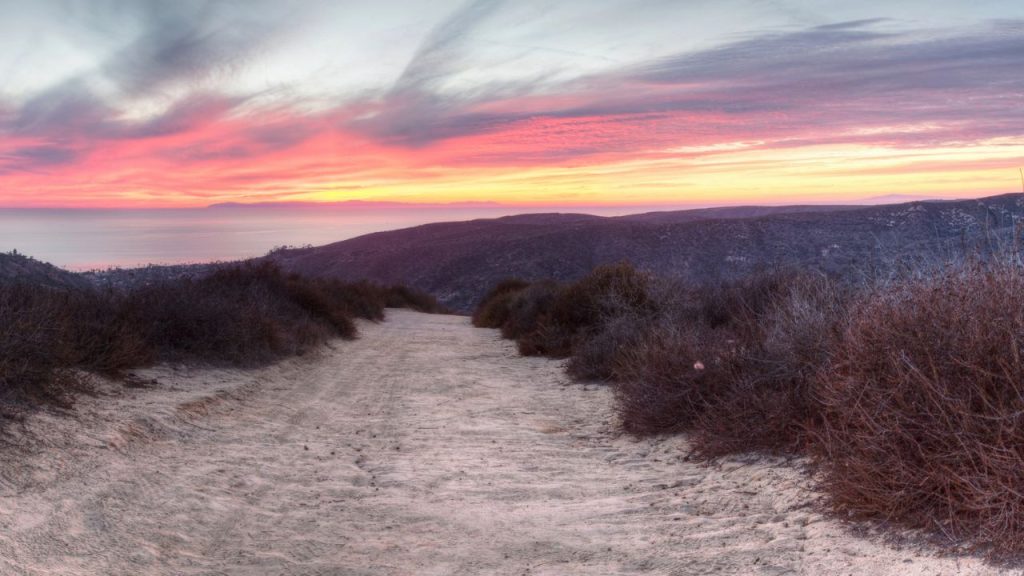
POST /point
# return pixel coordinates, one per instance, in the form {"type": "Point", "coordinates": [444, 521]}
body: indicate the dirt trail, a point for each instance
{"type": "Point", "coordinates": [425, 447]}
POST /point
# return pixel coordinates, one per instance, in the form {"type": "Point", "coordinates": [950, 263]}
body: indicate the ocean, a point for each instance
{"type": "Point", "coordinates": [97, 239]}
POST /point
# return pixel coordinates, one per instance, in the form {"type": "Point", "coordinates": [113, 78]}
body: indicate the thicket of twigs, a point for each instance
{"type": "Point", "coordinates": [908, 393]}
{"type": "Point", "coordinates": [922, 407]}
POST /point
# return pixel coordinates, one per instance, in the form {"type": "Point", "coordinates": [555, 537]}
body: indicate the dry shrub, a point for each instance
{"type": "Point", "coordinates": [529, 322]}
{"type": "Point", "coordinates": [667, 379]}
{"type": "Point", "coordinates": [759, 343]}
{"type": "Point", "coordinates": [549, 319]}
{"type": "Point", "coordinates": [522, 311]}
{"type": "Point", "coordinates": [399, 296]}
{"type": "Point", "coordinates": [97, 335]}
{"type": "Point", "coordinates": [620, 305]}
{"type": "Point", "coordinates": [561, 319]}
{"type": "Point", "coordinates": [739, 303]}
{"type": "Point", "coordinates": [47, 333]}
{"type": "Point", "coordinates": [548, 339]}
{"type": "Point", "coordinates": [923, 407]}
{"type": "Point", "coordinates": [358, 299]}
{"type": "Point", "coordinates": [608, 290]}
{"type": "Point", "coordinates": [733, 362]}
{"type": "Point", "coordinates": [779, 343]}
{"type": "Point", "coordinates": [910, 395]}
{"type": "Point", "coordinates": [30, 346]}
{"type": "Point", "coordinates": [246, 315]}
{"type": "Point", "coordinates": [493, 310]}
{"type": "Point", "coordinates": [598, 352]}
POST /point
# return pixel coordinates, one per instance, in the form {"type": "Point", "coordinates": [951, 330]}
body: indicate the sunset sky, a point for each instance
{"type": "Point", "coordinates": [110, 103]}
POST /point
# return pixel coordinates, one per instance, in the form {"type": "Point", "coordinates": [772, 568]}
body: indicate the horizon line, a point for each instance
{"type": "Point", "coordinates": [484, 204]}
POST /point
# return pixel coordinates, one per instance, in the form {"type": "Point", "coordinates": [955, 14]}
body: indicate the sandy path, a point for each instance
{"type": "Point", "coordinates": [426, 447]}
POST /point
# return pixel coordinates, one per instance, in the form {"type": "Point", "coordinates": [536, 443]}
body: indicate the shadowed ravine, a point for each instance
{"type": "Point", "coordinates": [424, 447]}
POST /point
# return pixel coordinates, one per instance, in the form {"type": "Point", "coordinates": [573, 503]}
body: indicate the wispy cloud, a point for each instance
{"type": "Point", "coordinates": [184, 42]}
{"type": "Point", "coordinates": [416, 110]}
{"type": "Point", "coordinates": [805, 84]}
{"type": "Point", "coordinates": [439, 54]}
{"type": "Point", "coordinates": [858, 83]}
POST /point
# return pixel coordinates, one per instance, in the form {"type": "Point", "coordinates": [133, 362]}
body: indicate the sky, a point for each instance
{"type": "Point", "coordinates": [152, 103]}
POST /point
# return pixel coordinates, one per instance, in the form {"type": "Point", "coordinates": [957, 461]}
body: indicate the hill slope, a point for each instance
{"type": "Point", "coordinates": [458, 261]}
{"type": "Point", "coordinates": [15, 267]}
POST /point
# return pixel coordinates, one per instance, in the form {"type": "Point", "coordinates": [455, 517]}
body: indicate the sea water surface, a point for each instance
{"type": "Point", "coordinates": [98, 239]}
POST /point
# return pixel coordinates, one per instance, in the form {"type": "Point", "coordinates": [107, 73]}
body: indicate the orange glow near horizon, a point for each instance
{"type": "Point", "coordinates": [623, 161]}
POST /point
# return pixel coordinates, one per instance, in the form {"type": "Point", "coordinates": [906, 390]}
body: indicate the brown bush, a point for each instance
{"type": "Point", "coordinates": [494, 308]}
{"type": "Point", "coordinates": [760, 342]}
{"type": "Point", "coordinates": [668, 378]}
{"type": "Point", "coordinates": [598, 352]}
{"type": "Point", "coordinates": [96, 333]}
{"type": "Point", "coordinates": [399, 296]}
{"type": "Point", "coordinates": [548, 339]}
{"type": "Point", "coordinates": [923, 407]}
{"type": "Point", "coordinates": [738, 301]}
{"type": "Point", "coordinates": [780, 344]}
{"type": "Point", "coordinates": [553, 320]}
{"type": "Point", "coordinates": [359, 299]}
{"type": "Point", "coordinates": [30, 347]}
{"type": "Point", "coordinates": [529, 322]}
{"type": "Point", "coordinates": [608, 290]}
{"type": "Point", "coordinates": [245, 315]}
{"type": "Point", "coordinates": [910, 395]}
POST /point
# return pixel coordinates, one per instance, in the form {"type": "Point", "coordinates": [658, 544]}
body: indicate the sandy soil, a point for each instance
{"type": "Point", "coordinates": [426, 447]}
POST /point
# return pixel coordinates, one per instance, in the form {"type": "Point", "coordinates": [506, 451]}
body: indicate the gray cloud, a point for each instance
{"type": "Point", "coordinates": [181, 41]}
{"type": "Point", "coordinates": [839, 76]}
{"type": "Point", "coordinates": [438, 56]}
{"type": "Point", "coordinates": [70, 111]}
{"type": "Point", "coordinates": [413, 111]}
{"type": "Point", "coordinates": [67, 108]}
{"type": "Point", "coordinates": [171, 43]}
{"type": "Point", "coordinates": [36, 158]}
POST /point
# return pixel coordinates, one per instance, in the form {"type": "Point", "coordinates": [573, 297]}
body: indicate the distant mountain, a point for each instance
{"type": "Point", "coordinates": [358, 204]}
{"type": "Point", "coordinates": [16, 267]}
{"type": "Point", "coordinates": [897, 199]}
{"type": "Point", "coordinates": [458, 261]}
{"type": "Point", "coordinates": [726, 211]}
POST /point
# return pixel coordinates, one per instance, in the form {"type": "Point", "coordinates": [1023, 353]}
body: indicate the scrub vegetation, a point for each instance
{"type": "Point", "coordinates": [242, 315]}
{"type": "Point", "coordinates": [907, 394]}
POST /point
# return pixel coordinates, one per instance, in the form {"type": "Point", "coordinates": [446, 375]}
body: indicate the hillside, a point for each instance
{"type": "Point", "coordinates": [16, 267]}
{"type": "Point", "coordinates": [458, 261]}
